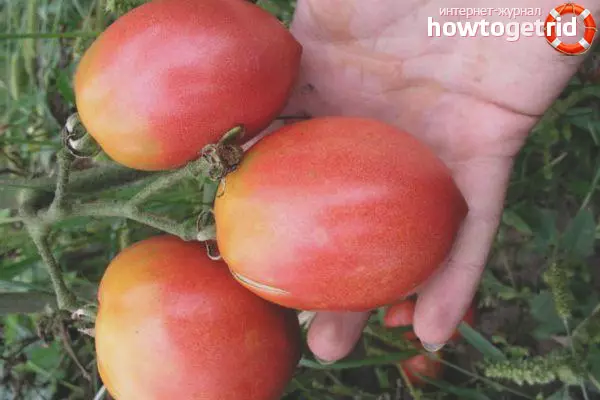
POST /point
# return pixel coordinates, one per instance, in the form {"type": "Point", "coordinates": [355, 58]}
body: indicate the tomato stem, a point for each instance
{"type": "Point", "coordinates": [162, 182]}
{"type": "Point", "coordinates": [65, 299]}
{"type": "Point", "coordinates": [92, 180]}
{"type": "Point", "coordinates": [215, 162]}
{"type": "Point", "coordinates": [64, 161]}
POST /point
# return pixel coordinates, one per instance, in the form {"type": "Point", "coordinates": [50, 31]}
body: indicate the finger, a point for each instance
{"type": "Point", "coordinates": [445, 298]}
{"type": "Point", "coordinates": [333, 335]}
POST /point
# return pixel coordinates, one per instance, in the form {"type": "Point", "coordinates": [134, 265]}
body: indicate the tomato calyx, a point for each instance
{"type": "Point", "coordinates": [206, 230]}
{"type": "Point", "coordinates": [76, 140]}
{"type": "Point", "coordinates": [221, 159]}
{"type": "Point", "coordinates": [224, 157]}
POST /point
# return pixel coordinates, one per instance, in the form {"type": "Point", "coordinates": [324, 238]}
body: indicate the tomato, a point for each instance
{"type": "Point", "coordinates": [402, 314]}
{"type": "Point", "coordinates": [171, 76]}
{"type": "Point", "coordinates": [337, 213]}
{"type": "Point", "coordinates": [421, 365]}
{"type": "Point", "coordinates": [173, 324]}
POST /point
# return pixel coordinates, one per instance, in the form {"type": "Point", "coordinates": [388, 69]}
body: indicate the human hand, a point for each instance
{"type": "Point", "coordinates": [473, 100]}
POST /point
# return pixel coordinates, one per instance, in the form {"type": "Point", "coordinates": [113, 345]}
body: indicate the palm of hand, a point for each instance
{"type": "Point", "coordinates": [472, 100]}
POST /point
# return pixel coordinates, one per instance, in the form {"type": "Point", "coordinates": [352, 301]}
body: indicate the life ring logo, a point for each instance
{"type": "Point", "coordinates": [552, 31]}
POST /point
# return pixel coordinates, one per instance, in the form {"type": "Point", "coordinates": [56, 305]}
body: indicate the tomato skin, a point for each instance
{"type": "Point", "coordinates": [174, 324]}
{"type": "Point", "coordinates": [422, 365]}
{"type": "Point", "coordinates": [337, 213]}
{"type": "Point", "coordinates": [402, 314]}
{"type": "Point", "coordinates": [171, 76]}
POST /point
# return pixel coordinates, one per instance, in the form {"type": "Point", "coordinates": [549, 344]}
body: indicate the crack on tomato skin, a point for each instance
{"type": "Point", "coordinates": [257, 285]}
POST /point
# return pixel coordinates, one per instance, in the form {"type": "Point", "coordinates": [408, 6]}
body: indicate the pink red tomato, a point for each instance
{"type": "Point", "coordinates": [173, 324]}
{"type": "Point", "coordinates": [171, 76]}
{"type": "Point", "coordinates": [401, 314]}
{"type": "Point", "coordinates": [421, 365]}
{"type": "Point", "coordinates": [337, 213]}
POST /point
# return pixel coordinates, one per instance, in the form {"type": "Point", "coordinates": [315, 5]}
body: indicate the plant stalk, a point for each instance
{"type": "Point", "coordinates": [64, 298]}
{"type": "Point", "coordinates": [125, 210]}
{"type": "Point", "coordinates": [64, 161]}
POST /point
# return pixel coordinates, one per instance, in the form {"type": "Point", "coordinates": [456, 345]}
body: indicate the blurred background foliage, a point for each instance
{"type": "Point", "coordinates": [537, 330]}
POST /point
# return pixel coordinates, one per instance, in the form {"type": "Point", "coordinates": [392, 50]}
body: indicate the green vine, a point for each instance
{"type": "Point", "coordinates": [40, 207]}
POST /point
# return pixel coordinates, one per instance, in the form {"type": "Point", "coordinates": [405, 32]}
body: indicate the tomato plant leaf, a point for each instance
{"type": "Point", "coordinates": [511, 218]}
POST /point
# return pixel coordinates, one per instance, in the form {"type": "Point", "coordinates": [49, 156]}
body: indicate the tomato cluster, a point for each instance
{"type": "Point", "coordinates": [332, 213]}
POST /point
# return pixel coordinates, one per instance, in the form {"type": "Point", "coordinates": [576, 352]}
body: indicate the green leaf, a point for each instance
{"type": "Point", "coordinates": [8, 197]}
{"type": "Point", "coordinates": [543, 310]}
{"type": "Point", "coordinates": [578, 111]}
{"type": "Point", "coordinates": [543, 225]}
{"type": "Point", "coordinates": [8, 270]}
{"type": "Point", "coordinates": [46, 358]}
{"type": "Point", "coordinates": [578, 239]}
{"type": "Point", "coordinates": [594, 360]}
{"type": "Point", "coordinates": [493, 285]}
{"type": "Point", "coordinates": [461, 393]}
{"type": "Point", "coordinates": [511, 218]}
{"type": "Point", "coordinates": [562, 394]}
{"type": "Point", "coordinates": [24, 302]}
{"type": "Point", "coordinates": [477, 340]}
{"type": "Point", "coordinates": [63, 85]}
{"type": "Point", "coordinates": [15, 327]}
{"type": "Point", "coordinates": [391, 358]}
{"type": "Point", "coordinates": [591, 90]}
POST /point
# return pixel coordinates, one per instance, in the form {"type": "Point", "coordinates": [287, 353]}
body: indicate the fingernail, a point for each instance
{"type": "Point", "coordinates": [431, 347]}
{"type": "Point", "coordinates": [324, 362]}
{"type": "Point", "coordinates": [305, 318]}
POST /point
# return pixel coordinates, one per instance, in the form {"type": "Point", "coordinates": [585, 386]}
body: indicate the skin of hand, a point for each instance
{"type": "Point", "coordinates": [473, 100]}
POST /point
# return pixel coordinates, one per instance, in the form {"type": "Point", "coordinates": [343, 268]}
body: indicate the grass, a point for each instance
{"type": "Point", "coordinates": [537, 304]}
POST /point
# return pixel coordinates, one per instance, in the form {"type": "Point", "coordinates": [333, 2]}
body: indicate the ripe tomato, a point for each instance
{"type": "Point", "coordinates": [402, 314]}
{"type": "Point", "coordinates": [173, 324]}
{"type": "Point", "coordinates": [337, 213]}
{"type": "Point", "coordinates": [171, 76]}
{"type": "Point", "coordinates": [421, 365]}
